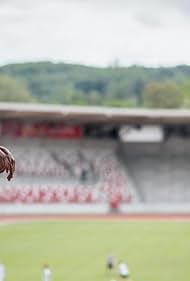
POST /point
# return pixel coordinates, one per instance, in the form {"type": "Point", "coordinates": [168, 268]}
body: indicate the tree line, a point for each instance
{"type": "Point", "coordinates": [60, 83]}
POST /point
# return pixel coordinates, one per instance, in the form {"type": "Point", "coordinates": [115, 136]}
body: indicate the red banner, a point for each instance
{"type": "Point", "coordinates": [53, 130]}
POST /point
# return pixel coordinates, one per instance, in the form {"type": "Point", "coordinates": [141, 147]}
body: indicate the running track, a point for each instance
{"type": "Point", "coordinates": [140, 217]}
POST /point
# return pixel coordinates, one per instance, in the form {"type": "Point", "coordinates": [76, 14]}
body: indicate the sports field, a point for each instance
{"type": "Point", "coordinates": [76, 250]}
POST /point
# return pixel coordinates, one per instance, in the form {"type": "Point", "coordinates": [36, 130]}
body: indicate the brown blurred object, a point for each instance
{"type": "Point", "coordinates": [7, 162]}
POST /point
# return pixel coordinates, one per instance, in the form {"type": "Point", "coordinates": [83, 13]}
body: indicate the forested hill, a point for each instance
{"type": "Point", "coordinates": [113, 86]}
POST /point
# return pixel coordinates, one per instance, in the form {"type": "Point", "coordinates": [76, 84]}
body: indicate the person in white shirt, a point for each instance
{"type": "Point", "coordinates": [46, 273]}
{"type": "Point", "coordinates": [123, 270]}
{"type": "Point", "coordinates": [2, 272]}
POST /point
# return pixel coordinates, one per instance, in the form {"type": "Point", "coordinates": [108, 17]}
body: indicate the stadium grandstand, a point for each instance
{"type": "Point", "coordinates": [95, 160]}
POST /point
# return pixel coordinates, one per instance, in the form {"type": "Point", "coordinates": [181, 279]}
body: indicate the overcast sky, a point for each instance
{"type": "Point", "coordinates": [96, 32]}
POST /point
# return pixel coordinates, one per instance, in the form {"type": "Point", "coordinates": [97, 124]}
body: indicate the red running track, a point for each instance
{"type": "Point", "coordinates": [77, 217]}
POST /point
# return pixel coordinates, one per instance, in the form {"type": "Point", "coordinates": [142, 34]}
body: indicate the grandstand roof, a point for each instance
{"type": "Point", "coordinates": [92, 114]}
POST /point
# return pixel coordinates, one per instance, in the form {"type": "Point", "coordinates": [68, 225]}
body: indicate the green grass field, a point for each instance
{"type": "Point", "coordinates": [76, 251]}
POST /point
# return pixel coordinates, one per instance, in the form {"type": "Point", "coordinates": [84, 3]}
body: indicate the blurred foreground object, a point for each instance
{"type": "Point", "coordinates": [7, 162]}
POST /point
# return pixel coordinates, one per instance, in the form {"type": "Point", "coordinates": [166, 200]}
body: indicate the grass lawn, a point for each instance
{"type": "Point", "coordinates": [76, 251]}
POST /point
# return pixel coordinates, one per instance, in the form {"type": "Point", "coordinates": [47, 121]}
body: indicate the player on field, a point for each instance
{"type": "Point", "coordinates": [46, 274]}
{"type": "Point", "coordinates": [123, 270]}
{"type": "Point", "coordinates": [110, 262]}
{"type": "Point", "coordinates": [2, 272]}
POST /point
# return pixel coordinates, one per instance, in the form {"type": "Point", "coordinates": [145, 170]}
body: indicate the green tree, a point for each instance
{"type": "Point", "coordinates": [92, 85]}
{"type": "Point", "coordinates": [138, 89]}
{"type": "Point", "coordinates": [67, 94]}
{"type": "Point", "coordinates": [185, 87]}
{"type": "Point", "coordinates": [13, 90]}
{"type": "Point", "coordinates": [130, 103]}
{"type": "Point", "coordinates": [163, 95]}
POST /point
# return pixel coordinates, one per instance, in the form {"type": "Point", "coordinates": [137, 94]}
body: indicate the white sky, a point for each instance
{"type": "Point", "coordinates": [96, 32]}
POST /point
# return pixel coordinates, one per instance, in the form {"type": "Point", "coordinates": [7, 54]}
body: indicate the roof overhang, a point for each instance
{"type": "Point", "coordinates": [93, 114]}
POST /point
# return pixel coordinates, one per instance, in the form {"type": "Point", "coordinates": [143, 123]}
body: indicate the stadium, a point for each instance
{"type": "Point", "coordinates": [92, 180]}
{"type": "Point", "coordinates": [95, 140]}
{"type": "Point", "coordinates": [95, 160]}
